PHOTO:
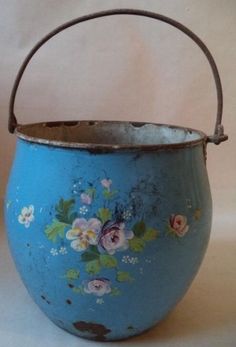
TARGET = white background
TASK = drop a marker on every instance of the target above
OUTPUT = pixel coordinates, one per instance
(127, 68)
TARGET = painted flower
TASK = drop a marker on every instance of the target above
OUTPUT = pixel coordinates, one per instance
(26, 216)
(178, 224)
(84, 233)
(86, 199)
(63, 250)
(114, 237)
(127, 214)
(54, 251)
(106, 183)
(97, 286)
(83, 210)
(129, 260)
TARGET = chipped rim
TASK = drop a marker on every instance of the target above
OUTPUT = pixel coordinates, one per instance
(99, 147)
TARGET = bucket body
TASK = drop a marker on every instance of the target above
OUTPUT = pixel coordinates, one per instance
(108, 221)
(107, 243)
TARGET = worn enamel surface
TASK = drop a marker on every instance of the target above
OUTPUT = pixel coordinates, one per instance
(107, 243)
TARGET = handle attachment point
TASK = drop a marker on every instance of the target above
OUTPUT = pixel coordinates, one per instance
(218, 136)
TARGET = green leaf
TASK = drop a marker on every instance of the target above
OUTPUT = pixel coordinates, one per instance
(93, 267)
(91, 192)
(109, 194)
(72, 217)
(108, 261)
(115, 291)
(150, 234)
(64, 205)
(78, 290)
(88, 256)
(60, 205)
(139, 228)
(93, 249)
(55, 230)
(123, 276)
(136, 244)
(104, 214)
(72, 274)
(197, 214)
(63, 210)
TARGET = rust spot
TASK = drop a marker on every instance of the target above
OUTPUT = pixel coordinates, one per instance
(68, 301)
(100, 149)
(197, 214)
(70, 123)
(91, 123)
(52, 124)
(130, 327)
(138, 124)
(44, 298)
(98, 331)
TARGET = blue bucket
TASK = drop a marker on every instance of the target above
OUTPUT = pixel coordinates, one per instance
(108, 222)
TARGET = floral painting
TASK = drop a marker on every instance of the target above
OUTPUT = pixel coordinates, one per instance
(178, 225)
(26, 216)
(98, 238)
(106, 238)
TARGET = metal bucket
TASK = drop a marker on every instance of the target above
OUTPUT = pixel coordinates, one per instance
(108, 222)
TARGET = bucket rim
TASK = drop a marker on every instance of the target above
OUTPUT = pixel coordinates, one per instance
(102, 147)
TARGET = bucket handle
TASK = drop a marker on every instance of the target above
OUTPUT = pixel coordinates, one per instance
(218, 135)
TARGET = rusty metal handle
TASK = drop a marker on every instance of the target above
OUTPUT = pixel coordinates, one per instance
(218, 135)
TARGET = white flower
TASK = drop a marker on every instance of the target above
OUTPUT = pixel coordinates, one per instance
(129, 260)
(76, 187)
(127, 214)
(83, 210)
(134, 260)
(8, 204)
(125, 259)
(26, 216)
(54, 251)
(100, 301)
(63, 250)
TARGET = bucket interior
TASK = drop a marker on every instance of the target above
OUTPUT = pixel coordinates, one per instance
(108, 133)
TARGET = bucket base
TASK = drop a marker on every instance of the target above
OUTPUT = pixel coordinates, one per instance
(98, 332)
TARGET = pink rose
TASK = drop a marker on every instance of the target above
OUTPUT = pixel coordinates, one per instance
(97, 286)
(114, 237)
(178, 224)
(86, 199)
(106, 183)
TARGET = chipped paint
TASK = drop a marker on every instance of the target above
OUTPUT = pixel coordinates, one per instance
(92, 330)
